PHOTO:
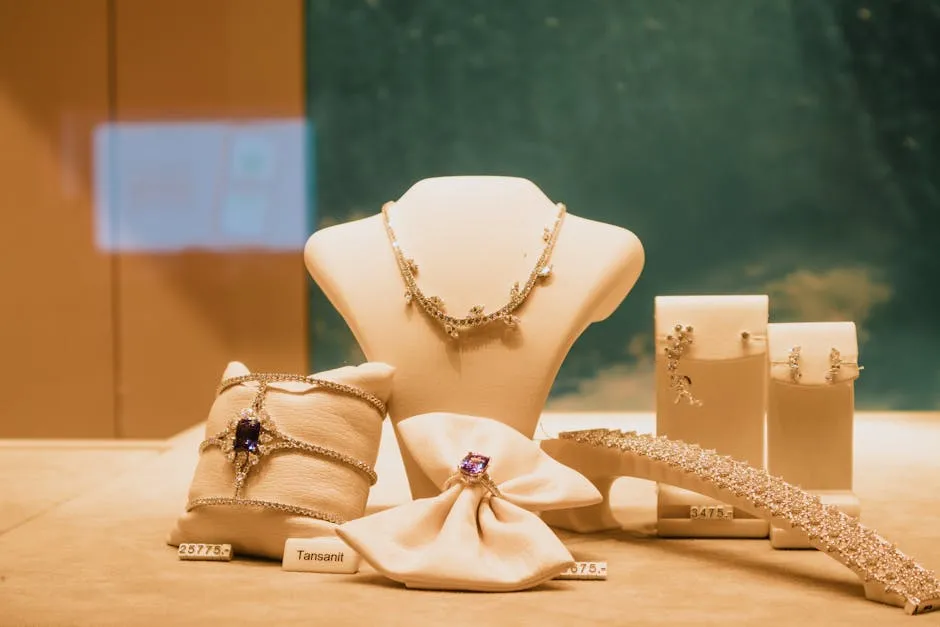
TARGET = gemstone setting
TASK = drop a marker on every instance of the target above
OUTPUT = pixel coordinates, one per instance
(247, 432)
(474, 465)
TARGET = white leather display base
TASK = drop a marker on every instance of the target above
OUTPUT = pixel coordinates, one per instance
(729, 376)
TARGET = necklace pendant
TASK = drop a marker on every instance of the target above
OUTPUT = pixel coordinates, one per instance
(476, 311)
(514, 291)
(546, 234)
(451, 330)
(511, 320)
(436, 303)
(545, 271)
(408, 298)
(412, 266)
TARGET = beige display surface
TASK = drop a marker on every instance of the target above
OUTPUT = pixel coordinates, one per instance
(472, 238)
(810, 422)
(728, 375)
(105, 534)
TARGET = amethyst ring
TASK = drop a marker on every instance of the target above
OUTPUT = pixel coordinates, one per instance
(471, 471)
(251, 435)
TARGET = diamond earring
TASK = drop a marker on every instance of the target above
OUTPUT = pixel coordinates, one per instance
(835, 365)
(747, 336)
(793, 363)
(678, 344)
(749, 339)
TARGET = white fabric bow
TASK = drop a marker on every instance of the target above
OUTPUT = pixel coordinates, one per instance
(466, 538)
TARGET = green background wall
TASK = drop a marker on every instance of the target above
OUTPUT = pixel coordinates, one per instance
(782, 147)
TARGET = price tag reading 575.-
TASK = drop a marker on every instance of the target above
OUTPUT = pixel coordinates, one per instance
(585, 570)
(205, 552)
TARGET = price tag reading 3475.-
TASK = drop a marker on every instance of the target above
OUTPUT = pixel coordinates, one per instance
(711, 512)
(205, 552)
(585, 570)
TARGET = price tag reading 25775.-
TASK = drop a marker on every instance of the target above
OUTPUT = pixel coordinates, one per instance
(205, 552)
(585, 570)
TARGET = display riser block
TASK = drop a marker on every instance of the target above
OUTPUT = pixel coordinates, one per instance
(673, 518)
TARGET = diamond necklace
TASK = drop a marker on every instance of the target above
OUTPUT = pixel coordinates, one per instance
(434, 306)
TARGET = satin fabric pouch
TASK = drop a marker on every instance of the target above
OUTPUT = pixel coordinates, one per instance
(466, 538)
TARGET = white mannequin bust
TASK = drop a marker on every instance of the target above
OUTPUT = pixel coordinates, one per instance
(472, 238)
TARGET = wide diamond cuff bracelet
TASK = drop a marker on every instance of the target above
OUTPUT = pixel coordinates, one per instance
(889, 576)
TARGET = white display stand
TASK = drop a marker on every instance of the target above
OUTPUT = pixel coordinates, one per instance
(810, 420)
(472, 237)
(727, 367)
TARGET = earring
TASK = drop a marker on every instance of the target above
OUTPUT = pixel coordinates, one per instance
(835, 365)
(793, 363)
(679, 383)
(747, 337)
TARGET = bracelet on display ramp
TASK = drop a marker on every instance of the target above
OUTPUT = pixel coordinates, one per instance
(889, 576)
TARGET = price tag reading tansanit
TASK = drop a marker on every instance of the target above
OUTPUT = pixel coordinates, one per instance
(596, 571)
(319, 555)
(198, 552)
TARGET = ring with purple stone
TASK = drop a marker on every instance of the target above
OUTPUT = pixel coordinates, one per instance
(471, 471)
(252, 434)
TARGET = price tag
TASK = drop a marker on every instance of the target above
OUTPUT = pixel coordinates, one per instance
(586, 571)
(205, 552)
(711, 512)
(319, 555)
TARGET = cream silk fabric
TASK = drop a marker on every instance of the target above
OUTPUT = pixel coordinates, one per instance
(463, 539)
(318, 416)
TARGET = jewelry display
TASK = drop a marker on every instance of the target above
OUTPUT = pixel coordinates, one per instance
(471, 471)
(435, 307)
(811, 415)
(467, 538)
(285, 456)
(889, 575)
(278, 507)
(252, 434)
(678, 343)
(836, 363)
(719, 343)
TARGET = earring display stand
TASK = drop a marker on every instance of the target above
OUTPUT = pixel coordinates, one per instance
(725, 370)
(810, 420)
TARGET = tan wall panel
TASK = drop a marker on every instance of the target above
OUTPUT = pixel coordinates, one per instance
(182, 317)
(55, 308)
